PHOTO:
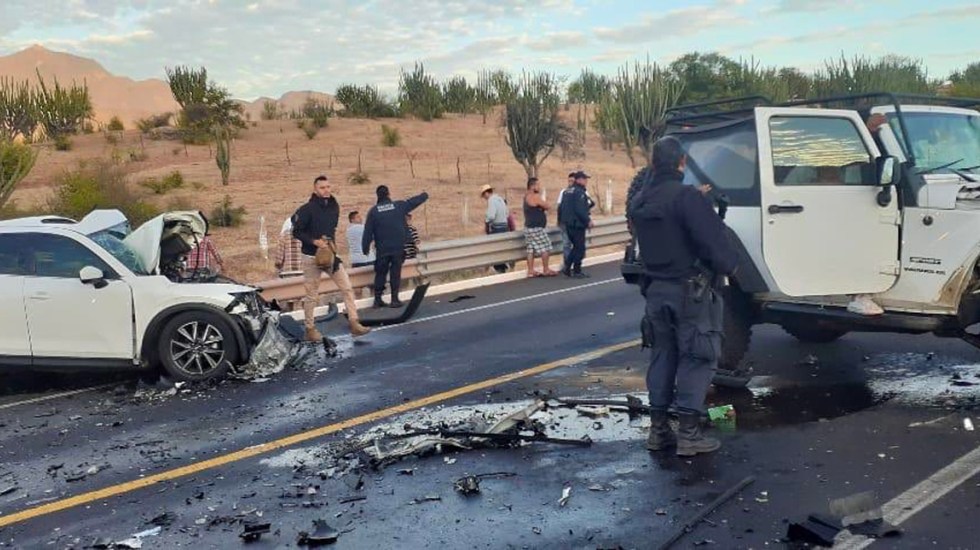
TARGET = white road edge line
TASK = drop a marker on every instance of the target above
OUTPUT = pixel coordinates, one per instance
(904, 506)
(54, 396)
(499, 304)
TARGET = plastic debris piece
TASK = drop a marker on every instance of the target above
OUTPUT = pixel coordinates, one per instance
(723, 412)
(592, 412)
(856, 508)
(468, 485)
(816, 529)
(254, 531)
(427, 498)
(968, 424)
(461, 297)
(566, 494)
(449, 461)
(322, 534)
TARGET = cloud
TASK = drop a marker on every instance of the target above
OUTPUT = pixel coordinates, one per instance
(680, 22)
(804, 6)
(557, 41)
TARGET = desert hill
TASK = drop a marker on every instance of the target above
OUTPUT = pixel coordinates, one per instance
(121, 96)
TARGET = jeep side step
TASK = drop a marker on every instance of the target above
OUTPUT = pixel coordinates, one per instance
(840, 318)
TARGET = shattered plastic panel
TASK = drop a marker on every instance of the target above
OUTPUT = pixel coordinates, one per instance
(271, 355)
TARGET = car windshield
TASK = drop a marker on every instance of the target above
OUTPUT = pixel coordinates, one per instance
(942, 141)
(120, 250)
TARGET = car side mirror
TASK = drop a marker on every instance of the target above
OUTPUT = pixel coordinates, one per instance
(92, 276)
(888, 171)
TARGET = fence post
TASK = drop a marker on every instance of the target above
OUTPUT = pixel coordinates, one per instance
(609, 204)
(459, 173)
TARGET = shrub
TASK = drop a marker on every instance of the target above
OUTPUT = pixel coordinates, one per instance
(271, 110)
(153, 121)
(115, 125)
(62, 143)
(390, 136)
(16, 162)
(364, 102)
(99, 184)
(112, 138)
(227, 215)
(310, 130)
(358, 178)
(176, 151)
(137, 156)
(11, 211)
(173, 180)
(88, 128)
(317, 111)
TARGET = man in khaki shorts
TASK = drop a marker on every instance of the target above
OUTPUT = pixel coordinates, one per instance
(315, 225)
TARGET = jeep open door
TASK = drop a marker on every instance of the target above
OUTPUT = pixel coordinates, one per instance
(823, 230)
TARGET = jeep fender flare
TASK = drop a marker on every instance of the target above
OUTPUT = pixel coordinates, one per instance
(747, 276)
(148, 350)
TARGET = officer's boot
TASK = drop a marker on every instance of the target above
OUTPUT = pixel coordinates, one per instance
(357, 329)
(690, 441)
(378, 302)
(661, 436)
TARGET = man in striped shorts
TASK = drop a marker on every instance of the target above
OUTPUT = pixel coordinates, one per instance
(535, 232)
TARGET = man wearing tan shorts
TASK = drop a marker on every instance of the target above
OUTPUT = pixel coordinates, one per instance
(315, 225)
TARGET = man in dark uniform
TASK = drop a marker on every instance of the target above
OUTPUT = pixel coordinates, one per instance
(684, 249)
(574, 214)
(386, 225)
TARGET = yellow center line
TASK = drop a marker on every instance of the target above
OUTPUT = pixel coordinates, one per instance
(249, 452)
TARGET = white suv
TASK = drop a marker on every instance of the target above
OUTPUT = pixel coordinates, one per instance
(91, 294)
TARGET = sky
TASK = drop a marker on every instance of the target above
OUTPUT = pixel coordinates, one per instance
(267, 47)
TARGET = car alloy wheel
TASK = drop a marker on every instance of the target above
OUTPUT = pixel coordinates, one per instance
(197, 347)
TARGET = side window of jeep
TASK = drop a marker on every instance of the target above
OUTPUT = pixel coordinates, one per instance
(819, 151)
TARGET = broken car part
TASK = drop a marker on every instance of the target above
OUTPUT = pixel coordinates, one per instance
(690, 523)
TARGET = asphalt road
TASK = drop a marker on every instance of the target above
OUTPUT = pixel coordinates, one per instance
(870, 412)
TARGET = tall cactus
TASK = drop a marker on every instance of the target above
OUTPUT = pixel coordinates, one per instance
(222, 138)
(18, 109)
(62, 110)
(16, 161)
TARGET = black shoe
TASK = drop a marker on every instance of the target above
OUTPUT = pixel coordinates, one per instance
(379, 303)
(397, 304)
(566, 273)
(580, 275)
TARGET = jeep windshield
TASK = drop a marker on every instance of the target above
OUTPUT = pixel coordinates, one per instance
(941, 141)
(119, 250)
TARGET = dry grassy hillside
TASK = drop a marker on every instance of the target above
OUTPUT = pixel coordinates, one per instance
(273, 166)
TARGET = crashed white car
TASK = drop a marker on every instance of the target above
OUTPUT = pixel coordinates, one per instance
(91, 294)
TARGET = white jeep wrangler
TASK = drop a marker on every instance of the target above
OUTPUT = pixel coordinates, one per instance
(821, 209)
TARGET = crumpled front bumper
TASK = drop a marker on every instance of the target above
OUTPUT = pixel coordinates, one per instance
(273, 352)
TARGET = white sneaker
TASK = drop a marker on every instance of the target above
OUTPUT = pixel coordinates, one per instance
(863, 304)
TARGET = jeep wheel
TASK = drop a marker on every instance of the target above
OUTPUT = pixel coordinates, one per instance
(737, 327)
(196, 346)
(812, 334)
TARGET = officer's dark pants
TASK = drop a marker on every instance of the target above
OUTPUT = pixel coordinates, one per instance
(566, 247)
(687, 345)
(499, 228)
(576, 235)
(383, 265)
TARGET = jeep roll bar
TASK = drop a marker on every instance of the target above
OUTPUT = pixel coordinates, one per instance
(687, 116)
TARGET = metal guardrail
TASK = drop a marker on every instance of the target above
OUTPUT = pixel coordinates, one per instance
(442, 257)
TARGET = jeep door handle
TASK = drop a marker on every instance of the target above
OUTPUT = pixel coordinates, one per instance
(785, 209)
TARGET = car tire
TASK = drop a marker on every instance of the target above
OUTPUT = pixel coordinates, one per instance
(737, 324)
(812, 334)
(195, 346)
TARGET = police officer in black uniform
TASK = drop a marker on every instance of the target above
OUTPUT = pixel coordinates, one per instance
(386, 225)
(685, 251)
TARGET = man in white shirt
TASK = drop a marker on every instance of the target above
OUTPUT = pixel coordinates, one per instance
(355, 232)
(496, 217)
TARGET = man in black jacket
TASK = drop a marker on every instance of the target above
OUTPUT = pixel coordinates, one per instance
(315, 225)
(387, 226)
(574, 214)
(684, 248)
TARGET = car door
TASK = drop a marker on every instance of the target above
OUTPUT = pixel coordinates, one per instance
(71, 322)
(823, 230)
(15, 345)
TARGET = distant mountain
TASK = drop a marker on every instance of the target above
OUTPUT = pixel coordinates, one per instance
(289, 101)
(121, 96)
(112, 95)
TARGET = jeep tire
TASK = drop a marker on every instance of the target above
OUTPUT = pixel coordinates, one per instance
(813, 334)
(195, 346)
(737, 329)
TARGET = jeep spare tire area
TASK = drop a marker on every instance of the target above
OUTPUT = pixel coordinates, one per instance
(195, 346)
(812, 334)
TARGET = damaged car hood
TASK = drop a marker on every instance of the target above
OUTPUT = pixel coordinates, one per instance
(164, 237)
